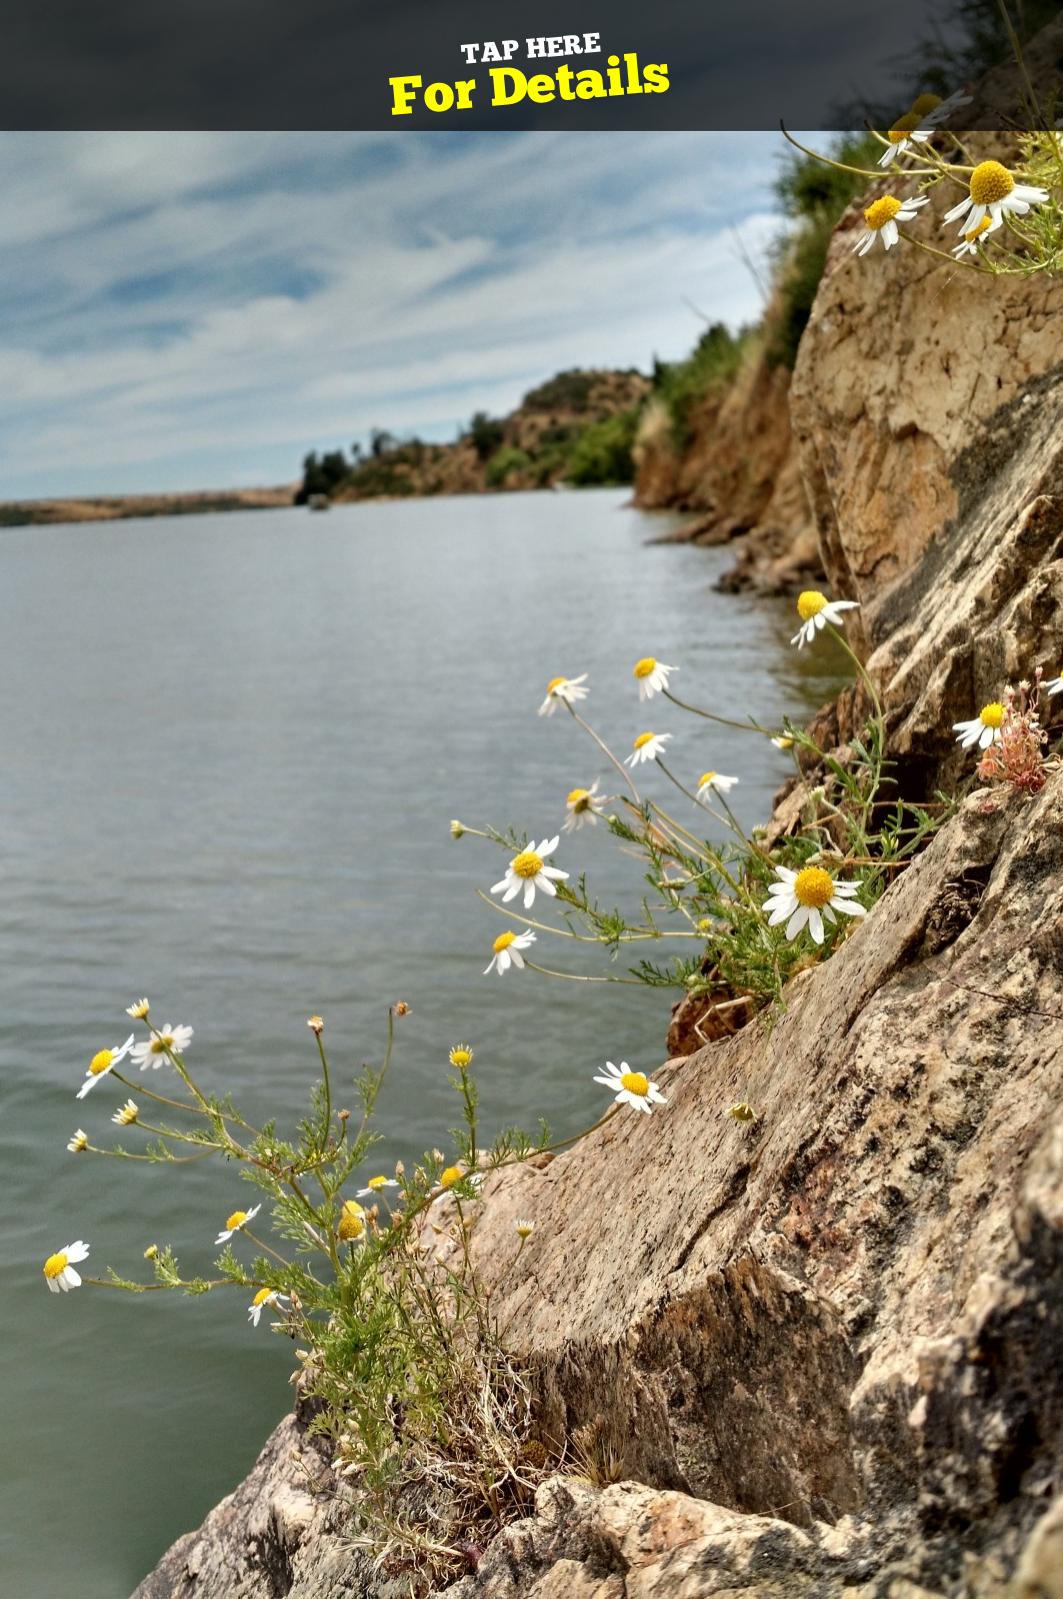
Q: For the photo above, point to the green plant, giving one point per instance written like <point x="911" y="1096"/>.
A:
<point x="602" y="452"/>
<point x="506" y="463"/>
<point x="680" y="385"/>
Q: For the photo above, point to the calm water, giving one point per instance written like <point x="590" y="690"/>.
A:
<point x="232" y="745"/>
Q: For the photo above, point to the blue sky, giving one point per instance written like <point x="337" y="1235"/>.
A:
<point x="198" y="310"/>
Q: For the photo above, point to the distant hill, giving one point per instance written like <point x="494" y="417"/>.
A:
<point x="577" y="427"/>
<point x="120" y="507"/>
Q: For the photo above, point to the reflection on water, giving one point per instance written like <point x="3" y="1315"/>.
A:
<point x="233" y="745"/>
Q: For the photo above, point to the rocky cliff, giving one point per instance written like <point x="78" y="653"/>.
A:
<point x="820" y="1355"/>
<point x="739" y="470"/>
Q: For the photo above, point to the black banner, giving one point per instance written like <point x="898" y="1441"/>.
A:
<point x="586" y="64"/>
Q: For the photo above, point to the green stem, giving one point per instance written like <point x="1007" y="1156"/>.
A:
<point x="606" y="751"/>
<point x="577" y="977"/>
<point x="712" y="716"/>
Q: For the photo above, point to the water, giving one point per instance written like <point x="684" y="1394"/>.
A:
<point x="232" y="745"/>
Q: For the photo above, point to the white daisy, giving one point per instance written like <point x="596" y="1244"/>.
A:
<point x="524" y="1229"/>
<point x="351" y="1226"/>
<point x="983" y="729"/>
<point x="126" y="1115"/>
<point x="568" y="689"/>
<point x="631" y="1088"/>
<point x="815" y="611"/>
<point x="973" y="239"/>
<point x="102" y="1063"/>
<point x="906" y="133"/>
<point x="59" y="1270"/>
<point x="79" y="1142"/>
<point x="803" y="899"/>
<point x="783" y="741"/>
<point x="708" y="781"/>
<point x="993" y="192"/>
<point x="138" y="1010"/>
<point x="265" y="1296"/>
<point x="1054" y="686"/>
<point x="934" y="111"/>
<point x="507" y="951"/>
<point x="374" y="1185"/>
<point x="882" y="217"/>
<point x="452" y="1175"/>
<point x="583" y="805"/>
<point x="647" y="747"/>
<point x="528" y="871"/>
<point x="236" y="1221"/>
<point x="165" y="1040"/>
<point x="652" y="676"/>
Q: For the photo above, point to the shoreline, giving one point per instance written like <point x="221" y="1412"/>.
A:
<point x="126" y="507"/>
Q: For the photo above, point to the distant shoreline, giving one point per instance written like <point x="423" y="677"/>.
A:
<point x="122" y="507"/>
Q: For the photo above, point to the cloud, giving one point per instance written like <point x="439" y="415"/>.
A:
<point x="190" y="310"/>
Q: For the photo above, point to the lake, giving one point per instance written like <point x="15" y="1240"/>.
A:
<point x="232" y="748"/>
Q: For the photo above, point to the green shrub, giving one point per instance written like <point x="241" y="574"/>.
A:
<point x="504" y="463"/>
<point x="602" y="452"/>
<point x="712" y="364"/>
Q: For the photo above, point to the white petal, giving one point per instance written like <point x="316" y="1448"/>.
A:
<point x="797" y="921"/>
<point x="815" y="924"/>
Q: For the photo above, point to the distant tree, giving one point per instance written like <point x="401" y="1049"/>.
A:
<point x="320" y="476"/>
<point x="381" y="442"/>
<point x="486" y="433"/>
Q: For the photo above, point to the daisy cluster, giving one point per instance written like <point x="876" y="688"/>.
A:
<point x="996" y="197"/>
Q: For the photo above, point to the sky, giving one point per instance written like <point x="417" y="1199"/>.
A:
<point x="198" y="310"/>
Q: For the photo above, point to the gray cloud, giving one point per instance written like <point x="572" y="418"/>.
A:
<point x="185" y="310"/>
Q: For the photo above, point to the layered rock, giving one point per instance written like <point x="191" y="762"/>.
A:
<point x="740" y="471"/>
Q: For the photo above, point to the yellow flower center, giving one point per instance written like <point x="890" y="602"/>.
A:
<point x="162" y="1043"/>
<point x="810" y="603"/>
<point x="555" y="682"/>
<point x="376" y="1183"/>
<point x="352" y="1208"/>
<point x="644" y="667"/>
<point x="525" y="1229"/>
<point x="706" y="777"/>
<point x="579" y="799"/>
<point x="813" y="887"/>
<point x="503" y="941"/>
<point x="903" y="127"/>
<point x="992" y="715"/>
<point x="976" y="232"/>
<point x="236" y="1220"/>
<point x="785" y="743"/>
<point x="461" y="1055"/>
<point x="55" y="1265"/>
<point x="878" y="213"/>
<point x="990" y="182"/>
<point x="527" y="864"/>
<point x="642" y="740"/>
<point x="452" y="1175"/>
<point x="635" y="1083"/>
<point x="350" y="1226"/>
<point x="99" y="1063"/>
<point x="925" y="104"/>
<point x="262" y="1295"/>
